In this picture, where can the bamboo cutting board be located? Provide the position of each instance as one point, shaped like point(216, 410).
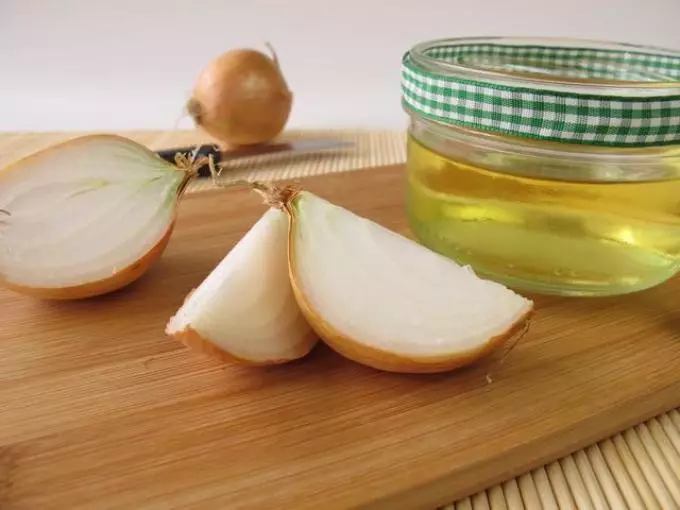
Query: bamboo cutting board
point(100, 410)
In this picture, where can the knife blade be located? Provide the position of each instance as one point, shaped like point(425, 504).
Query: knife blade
point(220, 156)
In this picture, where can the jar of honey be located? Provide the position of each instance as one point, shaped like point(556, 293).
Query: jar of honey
point(551, 166)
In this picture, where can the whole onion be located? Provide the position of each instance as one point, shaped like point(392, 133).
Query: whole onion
point(241, 98)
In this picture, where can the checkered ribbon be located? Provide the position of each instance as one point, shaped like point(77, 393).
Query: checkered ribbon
point(542, 113)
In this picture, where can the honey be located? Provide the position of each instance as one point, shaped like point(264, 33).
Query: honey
point(545, 234)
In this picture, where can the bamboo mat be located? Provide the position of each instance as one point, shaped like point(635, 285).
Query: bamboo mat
point(636, 469)
point(363, 149)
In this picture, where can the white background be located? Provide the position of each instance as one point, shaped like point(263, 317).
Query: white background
point(117, 64)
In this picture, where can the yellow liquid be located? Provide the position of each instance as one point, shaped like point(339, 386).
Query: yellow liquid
point(545, 235)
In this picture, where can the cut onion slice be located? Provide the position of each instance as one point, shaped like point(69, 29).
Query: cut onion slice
point(245, 309)
point(386, 301)
point(85, 217)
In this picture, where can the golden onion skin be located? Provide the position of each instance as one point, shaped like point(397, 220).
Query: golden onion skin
point(241, 98)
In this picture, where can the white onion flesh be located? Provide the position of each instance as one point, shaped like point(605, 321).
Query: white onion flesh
point(81, 211)
point(246, 307)
point(389, 293)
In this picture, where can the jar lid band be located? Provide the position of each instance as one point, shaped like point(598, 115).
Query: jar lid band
point(529, 109)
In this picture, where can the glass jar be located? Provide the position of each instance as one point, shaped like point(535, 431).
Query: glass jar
point(551, 166)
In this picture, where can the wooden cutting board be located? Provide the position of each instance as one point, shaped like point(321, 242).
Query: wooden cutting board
point(100, 410)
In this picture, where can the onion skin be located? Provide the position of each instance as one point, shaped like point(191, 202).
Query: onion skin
point(194, 341)
point(116, 281)
point(241, 98)
point(379, 359)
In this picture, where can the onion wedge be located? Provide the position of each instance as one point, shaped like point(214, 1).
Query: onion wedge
point(245, 310)
point(85, 217)
point(385, 301)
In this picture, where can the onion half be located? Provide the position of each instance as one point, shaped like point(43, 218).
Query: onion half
point(385, 301)
point(245, 310)
point(85, 217)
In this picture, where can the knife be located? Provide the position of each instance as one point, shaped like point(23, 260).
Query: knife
point(299, 146)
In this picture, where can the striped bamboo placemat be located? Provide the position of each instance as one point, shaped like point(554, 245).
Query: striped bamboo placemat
point(363, 149)
point(636, 469)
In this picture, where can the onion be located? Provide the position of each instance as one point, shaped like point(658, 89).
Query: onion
point(245, 309)
point(241, 98)
point(374, 296)
point(385, 301)
point(86, 216)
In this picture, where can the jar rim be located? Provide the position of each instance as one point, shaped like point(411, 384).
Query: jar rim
point(465, 82)
point(420, 56)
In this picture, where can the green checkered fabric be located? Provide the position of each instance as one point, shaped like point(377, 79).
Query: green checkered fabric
point(544, 113)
